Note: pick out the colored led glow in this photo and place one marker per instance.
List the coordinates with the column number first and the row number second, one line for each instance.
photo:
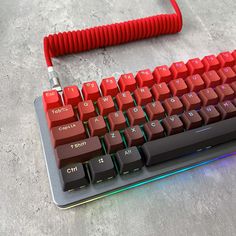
column 153, row 179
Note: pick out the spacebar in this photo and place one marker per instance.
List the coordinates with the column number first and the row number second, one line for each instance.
column 188, row 142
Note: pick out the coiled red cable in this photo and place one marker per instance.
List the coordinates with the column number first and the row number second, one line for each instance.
column 114, row 34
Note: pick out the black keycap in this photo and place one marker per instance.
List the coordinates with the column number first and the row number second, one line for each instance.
column 73, row 176
column 101, row 168
column 129, row 160
column 181, row 144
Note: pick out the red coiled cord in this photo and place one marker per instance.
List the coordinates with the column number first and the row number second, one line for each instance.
column 114, row 34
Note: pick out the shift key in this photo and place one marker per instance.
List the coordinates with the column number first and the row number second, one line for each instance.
column 80, row 151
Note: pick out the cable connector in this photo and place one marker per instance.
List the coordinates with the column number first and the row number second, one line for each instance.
column 54, row 80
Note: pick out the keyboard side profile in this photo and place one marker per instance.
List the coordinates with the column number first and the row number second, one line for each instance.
column 141, row 129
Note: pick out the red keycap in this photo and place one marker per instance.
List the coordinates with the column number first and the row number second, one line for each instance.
column 195, row 83
column 97, row 126
column 117, row 120
column 105, row 105
column 127, row 82
column 90, row 91
column 67, row 133
column 134, row 136
column 224, row 92
column 234, row 68
column 191, row 119
column 113, row 142
column 86, row 110
column 178, row 87
column 173, row 106
column 226, row 59
column 195, row 66
column 234, row 54
column 109, row 87
column 191, row 101
column 153, row 130
column 124, row 100
column 136, row 116
column 210, row 114
column 60, row 116
column 227, row 75
column 51, row 99
column 162, row 74
column 173, row 125
column 155, row 111
column 233, row 86
column 145, row 78
column 211, row 79
column 226, row 109
column 211, row 63
column 160, row 91
column 179, row 70
column 208, row 97
column 142, row 96
column 71, row 95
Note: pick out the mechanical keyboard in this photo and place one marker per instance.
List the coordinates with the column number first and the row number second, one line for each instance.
column 101, row 140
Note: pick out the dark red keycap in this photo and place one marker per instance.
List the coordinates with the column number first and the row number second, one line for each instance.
column 124, row 100
column 227, row 75
column 142, row 96
column 160, row 91
column 60, row 116
column 195, row 83
column 173, row 106
column 97, row 126
column 109, row 87
column 191, row 119
column 211, row 63
column 117, row 120
column 178, row 87
column 153, row 130
column 71, row 95
column 136, row 116
column 113, row 142
column 134, row 136
column 234, row 101
column 173, row 125
column 211, row 79
column 91, row 91
column 67, row 133
column 233, row 86
column 162, row 74
column 86, row 110
column 179, row 70
column 106, row 105
column 127, row 82
column 224, row 92
column 226, row 109
column 51, row 99
column 226, row 59
column 208, row 97
column 191, row 101
column 155, row 111
column 195, row 66
column 210, row 114
column 145, row 78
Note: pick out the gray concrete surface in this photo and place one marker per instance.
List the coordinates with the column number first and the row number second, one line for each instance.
column 198, row 202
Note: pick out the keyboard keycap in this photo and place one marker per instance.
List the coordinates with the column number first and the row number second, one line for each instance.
column 178, row 87
column 191, row 119
column 195, row 83
column 91, row 91
column 191, row 101
column 134, row 136
column 86, row 110
column 72, row 96
column 129, row 160
column 60, row 116
column 162, row 74
column 51, row 99
column 153, row 130
column 73, row 176
column 226, row 59
column 109, row 87
column 79, row 151
column 97, row 126
column 67, row 133
column 127, row 82
column 106, row 105
column 124, row 100
column 211, row 63
column 173, row 125
column 234, row 54
column 208, row 97
column 179, row 70
column 136, row 116
column 101, row 168
column 160, row 91
column 113, row 141
column 226, row 109
column 117, row 120
column 173, row 106
column 224, row 92
column 227, row 75
column 142, row 96
column 210, row 114
column 155, row 111
column 211, row 79
column 195, row 66
column 233, row 86
column 145, row 78
column 188, row 142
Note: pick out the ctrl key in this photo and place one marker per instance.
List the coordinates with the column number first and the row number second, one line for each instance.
column 73, row 176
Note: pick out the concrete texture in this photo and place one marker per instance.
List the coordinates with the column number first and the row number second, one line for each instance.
column 198, row 202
